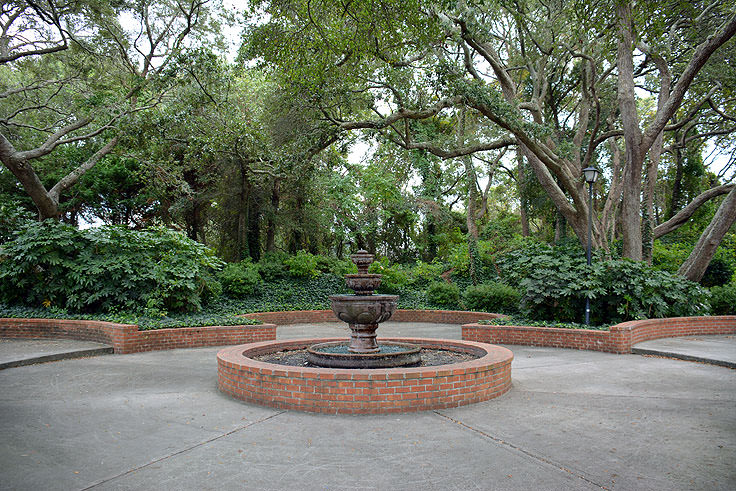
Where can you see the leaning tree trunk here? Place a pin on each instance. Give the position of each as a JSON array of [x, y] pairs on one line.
[[694, 267]]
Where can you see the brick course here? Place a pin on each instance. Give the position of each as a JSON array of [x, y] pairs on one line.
[[619, 339], [343, 391], [126, 338]]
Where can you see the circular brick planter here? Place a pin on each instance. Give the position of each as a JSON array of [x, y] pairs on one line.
[[351, 391]]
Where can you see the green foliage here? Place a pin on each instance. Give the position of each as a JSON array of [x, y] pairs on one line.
[[217, 314], [670, 256], [723, 299], [423, 274], [394, 276], [520, 321], [630, 290], [340, 267], [271, 266], [240, 279], [107, 268], [492, 297], [719, 272], [556, 280], [12, 217], [445, 295], [303, 265]]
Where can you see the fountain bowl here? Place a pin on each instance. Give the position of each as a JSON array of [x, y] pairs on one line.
[[363, 309], [363, 284], [337, 354]]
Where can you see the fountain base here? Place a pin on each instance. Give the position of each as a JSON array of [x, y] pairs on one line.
[[374, 391], [340, 355]]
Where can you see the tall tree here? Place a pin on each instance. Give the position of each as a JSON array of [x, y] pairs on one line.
[[552, 78], [82, 78]]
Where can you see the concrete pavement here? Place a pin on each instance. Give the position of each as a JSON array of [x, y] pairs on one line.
[[716, 350], [573, 420], [19, 352]]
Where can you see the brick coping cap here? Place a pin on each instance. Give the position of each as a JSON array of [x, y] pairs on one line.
[[236, 355]]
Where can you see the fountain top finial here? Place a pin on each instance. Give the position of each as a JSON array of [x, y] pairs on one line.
[[362, 260]]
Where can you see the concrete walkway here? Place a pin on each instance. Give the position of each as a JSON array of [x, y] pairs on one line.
[[19, 352], [716, 350], [573, 420]]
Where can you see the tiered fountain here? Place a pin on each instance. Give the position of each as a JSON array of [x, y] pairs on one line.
[[363, 311], [360, 375]]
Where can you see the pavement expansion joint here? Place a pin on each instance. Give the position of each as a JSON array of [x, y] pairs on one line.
[[516, 448], [182, 451]]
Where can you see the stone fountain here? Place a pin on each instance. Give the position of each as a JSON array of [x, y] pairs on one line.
[[363, 311]]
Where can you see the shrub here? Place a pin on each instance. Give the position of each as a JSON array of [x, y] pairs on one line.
[[442, 294], [53, 264], [302, 265], [12, 217], [556, 281], [718, 273], [394, 276], [670, 256], [633, 290], [271, 270], [723, 299], [492, 297], [240, 279], [423, 274], [340, 267]]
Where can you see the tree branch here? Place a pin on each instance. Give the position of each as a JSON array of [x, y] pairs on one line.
[[684, 215], [700, 57]]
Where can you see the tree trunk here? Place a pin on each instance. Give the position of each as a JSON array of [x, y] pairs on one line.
[[608, 220], [674, 206], [254, 229], [271, 226], [631, 206], [521, 189], [694, 267], [241, 250], [297, 241], [655, 153]]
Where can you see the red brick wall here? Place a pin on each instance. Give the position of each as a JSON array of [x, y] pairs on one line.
[[101, 332], [619, 339], [435, 316], [126, 338], [364, 391]]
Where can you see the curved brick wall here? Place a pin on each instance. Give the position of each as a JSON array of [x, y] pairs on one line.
[[619, 339], [344, 391], [126, 338], [433, 316]]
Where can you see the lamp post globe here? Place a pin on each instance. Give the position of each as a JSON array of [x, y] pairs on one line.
[[591, 174]]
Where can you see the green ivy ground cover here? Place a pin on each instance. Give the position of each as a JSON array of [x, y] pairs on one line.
[[210, 317], [513, 321]]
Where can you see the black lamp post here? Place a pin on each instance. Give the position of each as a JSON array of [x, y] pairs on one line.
[[591, 174]]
